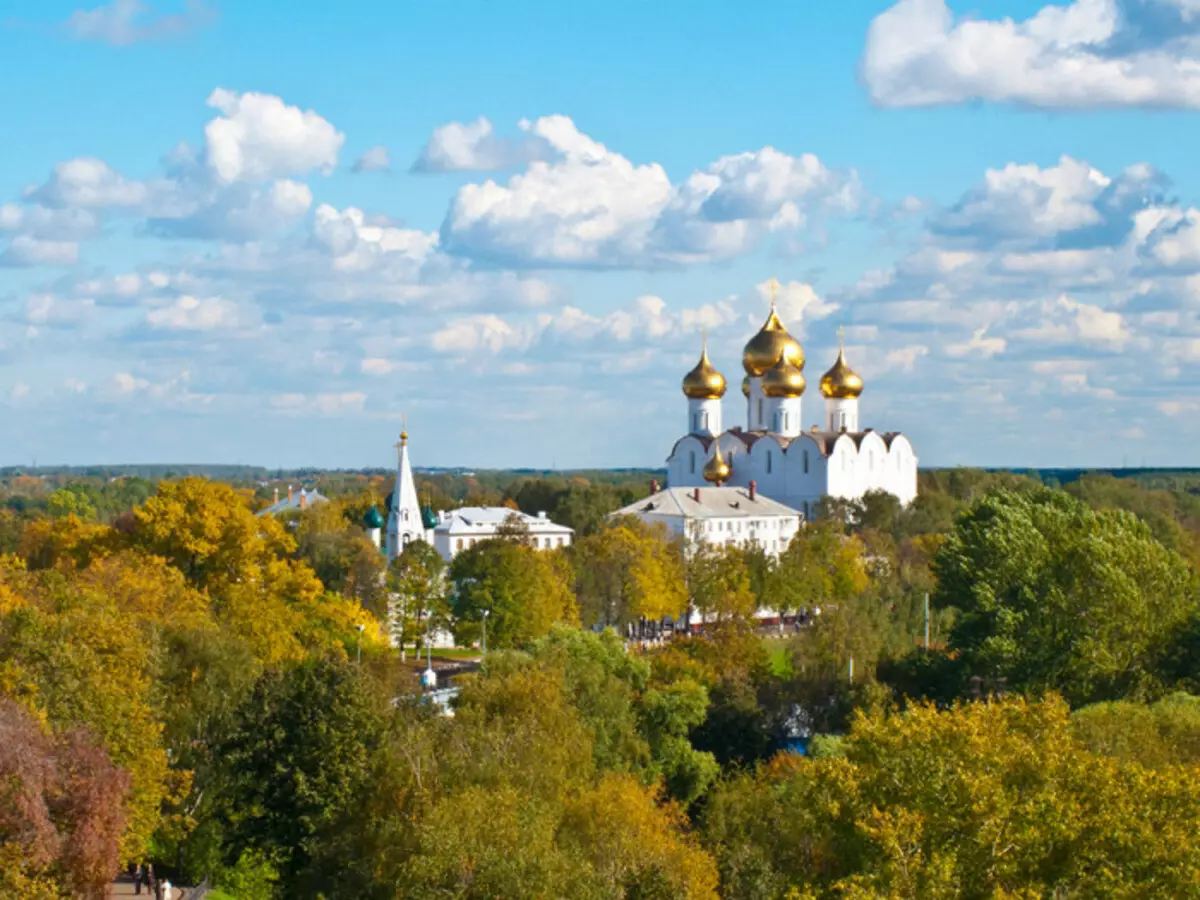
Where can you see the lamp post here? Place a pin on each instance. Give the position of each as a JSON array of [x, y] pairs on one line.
[[483, 643]]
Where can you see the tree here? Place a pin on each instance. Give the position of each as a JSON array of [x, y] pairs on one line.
[[720, 583], [1054, 596], [67, 502], [627, 570], [62, 810], [820, 566], [982, 800], [1162, 734], [417, 580], [525, 592], [297, 761]]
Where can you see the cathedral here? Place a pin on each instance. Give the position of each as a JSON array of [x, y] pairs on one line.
[[774, 451]]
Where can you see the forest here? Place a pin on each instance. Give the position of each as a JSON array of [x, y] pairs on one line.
[[186, 683]]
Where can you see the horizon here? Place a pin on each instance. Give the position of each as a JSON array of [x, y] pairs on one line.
[[212, 247]]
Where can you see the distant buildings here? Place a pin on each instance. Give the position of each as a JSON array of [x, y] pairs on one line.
[[459, 529], [301, 499], [730, 516], [789, 463], [452, 531]]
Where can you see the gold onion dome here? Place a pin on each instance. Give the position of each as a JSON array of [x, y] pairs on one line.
[[841, 382], [771, 342], [783, 380], [704, 382], [716, 470], [746, 386]]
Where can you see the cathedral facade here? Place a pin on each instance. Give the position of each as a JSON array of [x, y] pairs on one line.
[[787, 462]]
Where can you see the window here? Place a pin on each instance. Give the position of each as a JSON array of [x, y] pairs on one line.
[[870, 460], [560, 542], [768, 462], [692, 463], [760, 411], [458, 544], [805, 462]]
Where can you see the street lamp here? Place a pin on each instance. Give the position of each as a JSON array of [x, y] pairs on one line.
[[483, 643]]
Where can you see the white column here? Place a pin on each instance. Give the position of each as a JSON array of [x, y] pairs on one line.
[[758, 418], [784, 415], [704, 417], [841, 414]]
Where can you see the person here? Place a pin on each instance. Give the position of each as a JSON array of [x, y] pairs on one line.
[[150, 880], [166, 890], [139, 876]]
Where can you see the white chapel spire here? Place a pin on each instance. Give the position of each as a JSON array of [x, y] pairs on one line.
[[404, 513]]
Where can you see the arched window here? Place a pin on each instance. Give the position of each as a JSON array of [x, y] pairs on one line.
[[692, 463], [768, 462], [806, 462], [760, 411]]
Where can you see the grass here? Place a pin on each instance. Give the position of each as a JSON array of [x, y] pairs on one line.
[[779, 657]]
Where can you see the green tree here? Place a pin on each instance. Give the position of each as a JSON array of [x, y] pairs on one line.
[[417, 580], [71, 502], [626, 570], [1052, 595], [524, 591]]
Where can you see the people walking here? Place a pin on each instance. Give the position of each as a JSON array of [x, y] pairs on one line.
[[139, 878]]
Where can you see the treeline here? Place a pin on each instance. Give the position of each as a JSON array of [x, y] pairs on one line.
[[213, 691]]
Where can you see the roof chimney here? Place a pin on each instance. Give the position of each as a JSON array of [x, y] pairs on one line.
[[277, 494], [289, 493], [696, 494], [753, 490], [653, 486], [303, 499]]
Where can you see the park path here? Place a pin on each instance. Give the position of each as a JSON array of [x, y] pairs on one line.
[[123, 887]]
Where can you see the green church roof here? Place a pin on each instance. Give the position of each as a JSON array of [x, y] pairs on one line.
[[373, 519]]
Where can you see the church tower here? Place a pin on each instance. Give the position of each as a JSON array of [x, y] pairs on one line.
[[841, 387], [404, 523], [704, 387], [771, 345]]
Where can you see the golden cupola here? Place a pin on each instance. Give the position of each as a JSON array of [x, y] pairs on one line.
[[772, 342], [783, 379], [841, 382], [704, 382], [746, 386], [716, 470]]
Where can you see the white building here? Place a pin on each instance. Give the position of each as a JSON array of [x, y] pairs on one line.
[[405, 522], [790, 464], [719, 515], [459, 529]]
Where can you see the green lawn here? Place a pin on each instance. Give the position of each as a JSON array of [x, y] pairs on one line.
[[779, 656]]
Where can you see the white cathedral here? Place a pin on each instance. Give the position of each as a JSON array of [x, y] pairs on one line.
[[785, 461]]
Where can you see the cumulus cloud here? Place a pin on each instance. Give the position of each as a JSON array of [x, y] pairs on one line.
[[25, 251], [189, 313], [1085, 54], [125, 22], [88, 182], [473, 147], [591, 207], [325, 403], [259, 137], [376, 159]]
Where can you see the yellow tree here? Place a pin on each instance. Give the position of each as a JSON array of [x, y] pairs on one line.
[[628, 570]]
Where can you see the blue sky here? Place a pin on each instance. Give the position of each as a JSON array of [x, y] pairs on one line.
[[265, 232]]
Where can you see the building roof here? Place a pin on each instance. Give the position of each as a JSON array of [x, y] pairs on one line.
[[300, 499], [486, 519], [714, 503]]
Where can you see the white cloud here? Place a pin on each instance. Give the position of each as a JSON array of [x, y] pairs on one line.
[[797, 302], [324, 403], [592, 207], [1086, 54], [235, 212], [355, 243], [260, 137], [473, 147], [376, 159], [89, 182], [189, 313], [979, 343], [49, 309], [905, 358], [25, 251], [125, 22], [479, 332], [1065, 320]]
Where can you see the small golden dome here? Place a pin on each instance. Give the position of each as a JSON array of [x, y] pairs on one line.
[[716, 470], [841, 382], [783, 380], [746, 386], [704, 382], [771, 342]]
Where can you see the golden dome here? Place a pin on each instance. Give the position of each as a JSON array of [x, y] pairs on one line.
[[783, 380], [746, 386], [716, 470], [841, 382], [704, 382], [771, 342]]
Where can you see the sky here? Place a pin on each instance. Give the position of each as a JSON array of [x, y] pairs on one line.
[[274, 233]]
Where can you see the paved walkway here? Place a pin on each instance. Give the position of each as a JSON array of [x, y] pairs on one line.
[[123, 887]]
